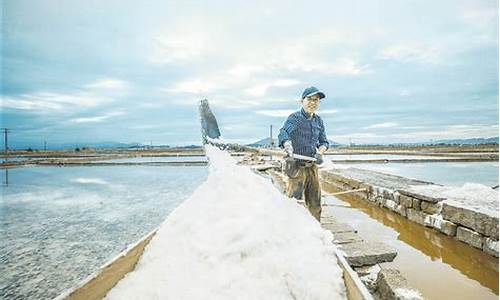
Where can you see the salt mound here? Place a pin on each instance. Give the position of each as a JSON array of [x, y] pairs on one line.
[[236, 237], [471, 195]]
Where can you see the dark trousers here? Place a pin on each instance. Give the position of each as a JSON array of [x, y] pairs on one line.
[[305, 185]]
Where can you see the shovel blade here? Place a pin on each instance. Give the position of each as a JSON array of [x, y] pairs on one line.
[[209, 127]]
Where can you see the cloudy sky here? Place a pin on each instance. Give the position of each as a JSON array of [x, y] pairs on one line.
[[133, 71]]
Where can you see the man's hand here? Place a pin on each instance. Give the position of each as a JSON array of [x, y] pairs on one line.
[[322, 149], [319, 154], [287, 146], [319, 158]]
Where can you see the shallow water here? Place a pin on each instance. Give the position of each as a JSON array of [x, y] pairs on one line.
[[438, 266], [156, 159], [335, 157], [446, 173], [59, 224]]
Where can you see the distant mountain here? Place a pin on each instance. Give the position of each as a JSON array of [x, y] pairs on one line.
[[266, 142], [334, 144], [263, 143], [473, 141]]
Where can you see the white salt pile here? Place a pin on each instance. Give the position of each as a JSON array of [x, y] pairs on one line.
[[472, 195], [236, 237]]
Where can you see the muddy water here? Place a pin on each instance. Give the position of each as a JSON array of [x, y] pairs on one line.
[[439, 266]]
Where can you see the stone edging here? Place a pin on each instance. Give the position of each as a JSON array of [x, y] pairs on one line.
[[474, 228]]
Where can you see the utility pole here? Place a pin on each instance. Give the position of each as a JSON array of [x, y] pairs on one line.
[[5, 133], [271, 142], [44, 145]]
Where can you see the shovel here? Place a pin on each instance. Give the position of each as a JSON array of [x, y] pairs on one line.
[[211, 135]]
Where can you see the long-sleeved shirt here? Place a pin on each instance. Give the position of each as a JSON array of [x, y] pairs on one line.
[[306, 134]]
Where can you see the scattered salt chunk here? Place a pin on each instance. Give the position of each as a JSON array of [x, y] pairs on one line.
[[408, 294]]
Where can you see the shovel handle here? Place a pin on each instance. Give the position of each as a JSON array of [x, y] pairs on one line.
[[283, 154]]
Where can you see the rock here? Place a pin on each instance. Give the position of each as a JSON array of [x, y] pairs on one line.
[[391, 285], [336, 227], [470, 237], [367, 253], [416, 203], [353, 183], [367, 187], [387, 195], [346, 237], [490, 246], [396, 197], [366, 270], [416, 216], [400, 209], [327, 218], [448, 228], [433, 221], [390, 204], [406, 201], [431, 208], [427, 198], [478, 221], [368, 276]]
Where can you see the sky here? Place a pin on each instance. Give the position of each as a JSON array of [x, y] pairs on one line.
[[134, 71]]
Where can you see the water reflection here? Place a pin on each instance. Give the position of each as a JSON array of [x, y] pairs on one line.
[[6, 179]]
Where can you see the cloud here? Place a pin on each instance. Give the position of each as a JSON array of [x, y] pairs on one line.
[[382, 125], [404, 93], [261, 89], [95, 119], [108, 84], [356, 137], [276, 112], [193, 86], [297, 61], [450, 132], [181, 44], [89, 95], [245, 70], [483, 18], [445, 132], [327, 111], [411, 53], [49, 101]]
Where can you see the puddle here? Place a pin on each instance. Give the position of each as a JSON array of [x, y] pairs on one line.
[[439, 266]]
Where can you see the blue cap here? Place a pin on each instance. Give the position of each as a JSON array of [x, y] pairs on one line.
[[310, 91]]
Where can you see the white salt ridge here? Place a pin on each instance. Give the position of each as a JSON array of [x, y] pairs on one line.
[[471, 195], [236, 237]]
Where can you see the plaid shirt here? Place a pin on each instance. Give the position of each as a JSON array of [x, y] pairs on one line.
[[305, 134]]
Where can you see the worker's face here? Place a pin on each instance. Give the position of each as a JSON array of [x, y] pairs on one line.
[[311, 104]]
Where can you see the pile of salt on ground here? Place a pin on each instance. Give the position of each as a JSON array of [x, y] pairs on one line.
[[471, 195], [236, 237]]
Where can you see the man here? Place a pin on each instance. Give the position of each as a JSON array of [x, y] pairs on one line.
[[304, 133]]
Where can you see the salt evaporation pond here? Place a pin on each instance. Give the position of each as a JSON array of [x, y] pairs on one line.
[[58, 225], [446, 173], [335, 157], [156, 159]]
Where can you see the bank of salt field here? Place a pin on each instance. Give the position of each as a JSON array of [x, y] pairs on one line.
[[63, 223]]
